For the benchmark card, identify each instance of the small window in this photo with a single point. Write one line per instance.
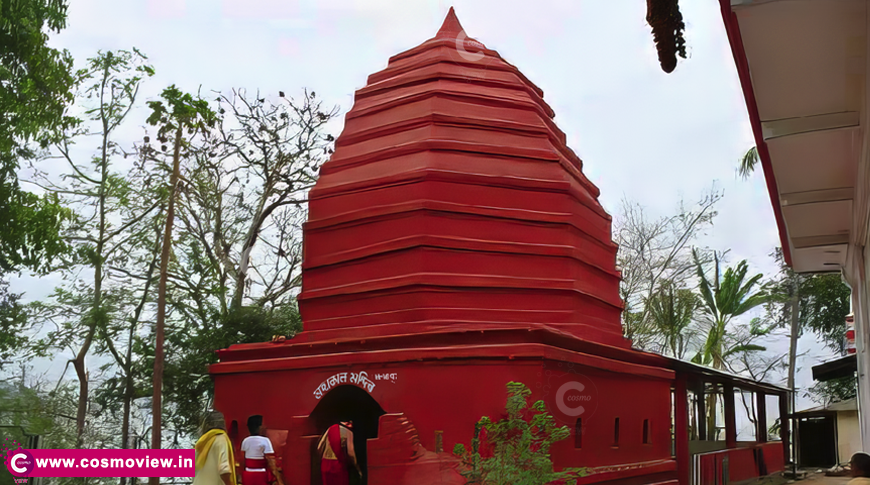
(646, 431)
(616, 432)
(578, 433)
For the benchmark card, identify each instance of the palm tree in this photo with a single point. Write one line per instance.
(748, 163)
(728, 295)
(671, 310)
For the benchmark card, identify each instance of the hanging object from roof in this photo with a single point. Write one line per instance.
(667, 27)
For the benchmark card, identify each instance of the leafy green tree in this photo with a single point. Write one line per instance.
(726, 296)
(672, 311)
(35, 79)
(824, 305)
(107, 216)
(13, 324)
(834, 390)
(516, 449)
(177, 112)
(35, 88)
(187, 383)
(808, 302)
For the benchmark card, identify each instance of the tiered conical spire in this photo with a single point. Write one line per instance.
(452, 201)
(451, 26)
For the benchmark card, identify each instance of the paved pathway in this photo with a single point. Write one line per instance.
(821, 479)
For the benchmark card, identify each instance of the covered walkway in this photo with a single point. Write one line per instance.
(706, 445)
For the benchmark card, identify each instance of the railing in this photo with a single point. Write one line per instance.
(737, 464)
(710, 468)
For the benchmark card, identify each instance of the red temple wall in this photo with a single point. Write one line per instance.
(452, 396)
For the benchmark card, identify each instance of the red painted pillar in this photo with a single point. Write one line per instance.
(784, 429)
(761, 415)
(681, 428)
(730, 415)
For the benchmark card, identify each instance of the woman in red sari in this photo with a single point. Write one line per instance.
(337, 455)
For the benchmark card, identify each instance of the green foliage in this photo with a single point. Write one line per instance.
(35, 88)
(672, 310)
(726, 296)
(179, 109)
(834, 390)
(187, 383)
(654, 253)
(748, 163)
(30, 229)
(13, 323)
(36, 411)
(35, 80)
(516, 449)
(824, 305)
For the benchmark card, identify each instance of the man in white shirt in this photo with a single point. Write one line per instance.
(258, 456)
(214, 454)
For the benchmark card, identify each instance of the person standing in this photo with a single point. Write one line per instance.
(860, 464)
(337, 454)
(214, 454)
(258, 456)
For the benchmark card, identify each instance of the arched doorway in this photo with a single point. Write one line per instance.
(350, 403)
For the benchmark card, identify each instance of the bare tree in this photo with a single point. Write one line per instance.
(242, 201)
(653, 252)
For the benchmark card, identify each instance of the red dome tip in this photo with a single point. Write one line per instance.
(451, 26)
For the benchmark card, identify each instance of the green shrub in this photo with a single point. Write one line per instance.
(515, 450)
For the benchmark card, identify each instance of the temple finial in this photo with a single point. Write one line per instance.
(451, 26)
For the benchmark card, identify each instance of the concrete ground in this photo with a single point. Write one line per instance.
(812, 479)
(821, 479)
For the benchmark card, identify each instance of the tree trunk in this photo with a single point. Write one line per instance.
(79, 361)
(250, 241)
(156, 405)
(795, 330)
(81, 373)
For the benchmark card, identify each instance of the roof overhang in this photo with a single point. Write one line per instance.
(802, 68)
(835, 369)
(702, 373)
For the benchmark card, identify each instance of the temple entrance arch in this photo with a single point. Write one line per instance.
(350, 403)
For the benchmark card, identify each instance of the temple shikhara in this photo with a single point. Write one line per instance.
(453, 245)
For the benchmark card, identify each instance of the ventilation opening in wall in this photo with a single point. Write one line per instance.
(646, 431)
(616, 432)
(578, 433)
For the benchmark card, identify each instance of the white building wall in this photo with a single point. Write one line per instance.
(848, 435)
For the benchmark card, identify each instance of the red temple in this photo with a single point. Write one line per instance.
(453, 244)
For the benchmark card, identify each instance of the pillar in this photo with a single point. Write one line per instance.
(862, 346)
(761, 415)
(702, 411)
(730, 415)
(681, 428)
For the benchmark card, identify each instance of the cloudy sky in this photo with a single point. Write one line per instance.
(643, 134)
